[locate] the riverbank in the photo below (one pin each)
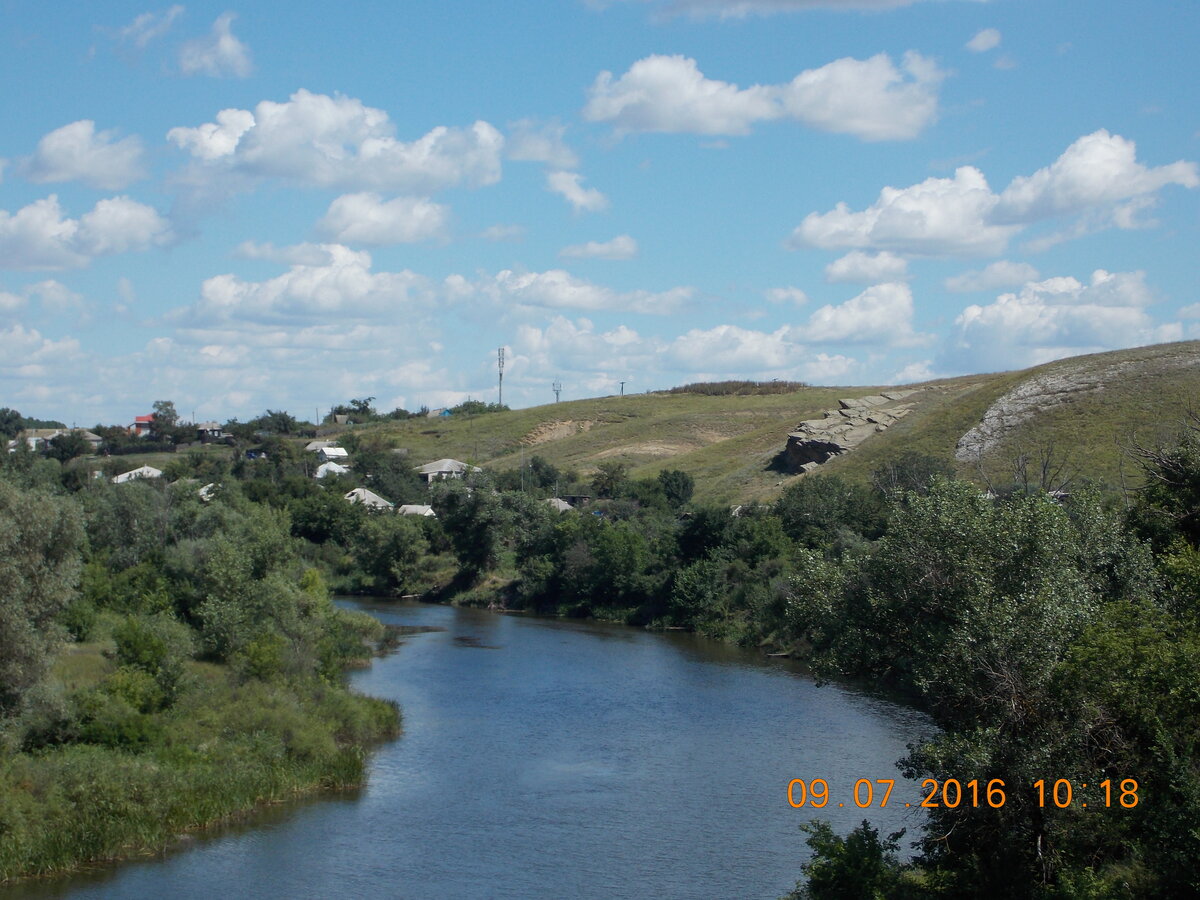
(225, 749)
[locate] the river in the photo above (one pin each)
(547, 758)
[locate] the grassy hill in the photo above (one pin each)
(1087, 407)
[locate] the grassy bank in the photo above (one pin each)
(223, 750)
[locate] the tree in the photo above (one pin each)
(859, 866)
(609, 478)
(678, 486)
(165, 420)
(41, 537)
(11, 423)
(64, 447)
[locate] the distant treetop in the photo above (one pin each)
(739, 388)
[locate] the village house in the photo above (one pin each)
(416, 509)
(369, 499)
(38, 438)
(135, 474)
(333, 454)
(441, 469)
(330, 468)
(142, 425)
(208, 432)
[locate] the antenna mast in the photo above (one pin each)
(500, 360)
(557, 388)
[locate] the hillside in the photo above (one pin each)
(1088, 408)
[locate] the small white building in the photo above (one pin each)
(330, 468)
(558, 504)
(315, 446)
(416, 509)
(444, 468)
(333, 454)
(369, 499)
(139, 472)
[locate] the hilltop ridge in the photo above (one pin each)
(1088, 408)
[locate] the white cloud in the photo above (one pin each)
(1097, 169)
(669, 93)
(219, 54)
(914, 372)
(883, 313)
(296, 254)
(938, 217)
(368, 219)
(987, 39)
(343, 287)
(25, 353)
(337, 142)
(786, 295)
(564, 346)
(149, 26)
(620, 247)
(38, 236)
(556, 288)
(1054, 318)
(532, 141)
(55, 296)
(857, 266)
(570, 186)
(11, 303)
(872, 98)
(503, 233)
(1097, 176)
(76, 152)
(1000, 274)
(728, 348)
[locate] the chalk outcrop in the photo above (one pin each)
(838, 431)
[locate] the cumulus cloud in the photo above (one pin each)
(938, 217)
(867, 268)
(149, 26)
(342, 286)
(556, 288)
(338, 142)
(883, 313)
(570, 186)
(873, 99)
(620, 247)
(567, 346)
(503, 233)
(1000, 274)
(1097, 176)
(1098, 169)
(987, 39)
(533, 141)
(786, 295)
(219, 54)
(1054, 318)
(76, 152)
(367, 218)
(730, 348)
(39, 236)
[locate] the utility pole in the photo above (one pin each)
(622, 389)
(557, 388)
(500, 359)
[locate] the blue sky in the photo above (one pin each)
(289, 205)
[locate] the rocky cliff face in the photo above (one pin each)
(838, 431)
